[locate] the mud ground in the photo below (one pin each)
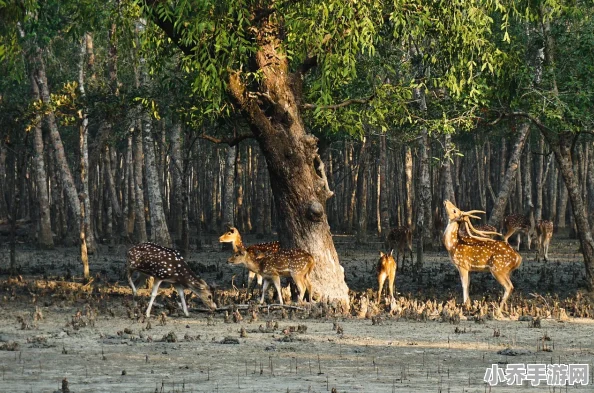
(54, 327)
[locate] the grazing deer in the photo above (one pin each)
(478, 253)
(544, 231)
(165, 265)
(232, 236)
(521, 224)
(386, 268)
(400, 239)
(295, 263)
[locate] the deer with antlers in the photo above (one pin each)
(478, 252)
(544, 232)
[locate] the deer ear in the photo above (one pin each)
(391, 252)
(260, 255)
(381, 254)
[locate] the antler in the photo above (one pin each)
(483, 235)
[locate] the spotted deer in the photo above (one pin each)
(293, 263)
(386, 268)
(165, 265)
(400, 239)
(478, 252)
(232, 236)
(544, 231)
(521, 224)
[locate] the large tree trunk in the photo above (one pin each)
(44, 238)
(510, 176)
(562, 150)
(175, 169)
(300, 190)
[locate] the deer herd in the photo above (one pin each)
(470, 248)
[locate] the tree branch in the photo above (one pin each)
(229, 141)
(166, 26)
(340, 105)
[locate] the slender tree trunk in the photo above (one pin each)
(45, 238)
(510, 175)
(408, 170)
(362, 193)
(590, 184)
(62, 165)
(384, 227)
(141, 235)
(563, 199)
(239, 206)
(539, 179)
(159, 231)
(175, 169)
(228, 188)
(423, 222)
(129, 211)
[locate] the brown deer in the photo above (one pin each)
(232, 236)
(293, 263)
(165, 265)
(478, 253)
(521, 224)
(386, 268)
(544, 231)
(400, 239)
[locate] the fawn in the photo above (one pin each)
(521, 224)
(295, 263)
(400, 239)
(386, 268)
(478, 253)
(165, 265)
(544, 231)
(232, 236)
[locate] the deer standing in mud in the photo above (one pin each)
(400, 239)
(232, 236)
(386, 268)
(544, 232)
(165, 265)
(478, 252)
(521, 224)
(293, 263)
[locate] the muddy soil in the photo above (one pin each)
(53, 327)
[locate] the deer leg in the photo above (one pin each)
(264, 288)
(381, 278)
(299, 281)
(519, 238)
(391, 278)
(131, 282)
(277, 285)
(308, 286)
(180, 291)
(465, 282)
(509, 233)
(153, 296)
(504, 280)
